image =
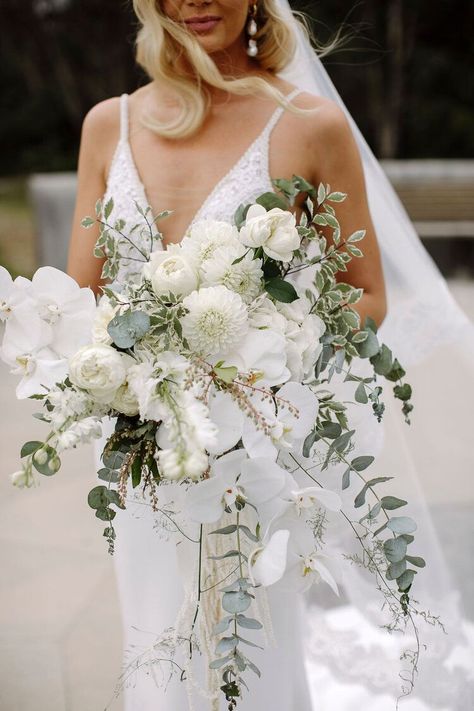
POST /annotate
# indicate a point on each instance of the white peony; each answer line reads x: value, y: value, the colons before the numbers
x: 171, y: 270
x: 103, y: 316
x: 99, y: 369
x: 245, y: 277
x: 206, y: 236
x: 275, y: 231
x: 216, y: 320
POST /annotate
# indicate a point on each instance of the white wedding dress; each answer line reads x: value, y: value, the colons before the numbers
x: 150, y: 568
x: 328, y: 655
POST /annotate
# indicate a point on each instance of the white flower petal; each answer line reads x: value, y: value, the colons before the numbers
x: 267, y: 564
x: 262, y: 479
x: 229, y: 418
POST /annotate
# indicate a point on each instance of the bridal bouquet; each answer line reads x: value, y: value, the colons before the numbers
x: 217, y: 365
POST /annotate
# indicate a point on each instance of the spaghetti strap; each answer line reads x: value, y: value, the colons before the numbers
x: 278, y: 112
x: 124, y: 117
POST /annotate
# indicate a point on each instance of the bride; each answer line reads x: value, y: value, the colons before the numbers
x: 232, y: 103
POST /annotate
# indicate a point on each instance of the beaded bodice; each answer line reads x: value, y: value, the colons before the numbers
x: 248, y: 178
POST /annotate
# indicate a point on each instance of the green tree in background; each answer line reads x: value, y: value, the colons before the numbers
x: 405, y: 73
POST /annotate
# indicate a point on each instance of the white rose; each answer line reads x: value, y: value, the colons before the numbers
x: 99, y: 369
x: 275, y: 231
x: 171, y: 270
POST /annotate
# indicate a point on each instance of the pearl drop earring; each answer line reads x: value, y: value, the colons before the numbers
x: 252, y: 49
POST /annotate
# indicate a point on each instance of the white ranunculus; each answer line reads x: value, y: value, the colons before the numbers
x: 103, y: 316
x: 171, y: 270
x: 275, y: 231
x: 245, y: 277
x: 99, y: 369
x: 206, y: 236
x: 216, y: 320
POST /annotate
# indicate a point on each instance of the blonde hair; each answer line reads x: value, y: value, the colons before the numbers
x: 162, y: 43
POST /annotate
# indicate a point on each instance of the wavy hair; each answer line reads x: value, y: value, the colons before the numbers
x: 163, y: 44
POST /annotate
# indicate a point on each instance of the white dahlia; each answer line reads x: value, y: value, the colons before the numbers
x: 205, y: 236
x: 245, y: 277
x: 216, y: 319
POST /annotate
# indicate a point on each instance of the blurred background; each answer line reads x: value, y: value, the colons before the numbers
x: 405, y: 71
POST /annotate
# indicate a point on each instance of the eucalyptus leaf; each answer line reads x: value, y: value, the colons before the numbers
x: 402, y: 524
x: 29, y: 448
x: 361, y: 394
x: 226, y: 644
x: 218, y: 663
x: 416, y: 560
x: 127, y: 328
x: 361, y: 463
x: 392, y: 502
x: 248, y: 622
x: 395, y: 570
x: 227, y: 529
x: 222, y: 625
x: 406, y: 579
x: 236, y: 601
x: 395, y: 549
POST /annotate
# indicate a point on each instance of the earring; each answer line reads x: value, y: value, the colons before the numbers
x: 252, y: 49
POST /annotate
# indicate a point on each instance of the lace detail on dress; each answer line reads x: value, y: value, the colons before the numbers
x: 248, y: 178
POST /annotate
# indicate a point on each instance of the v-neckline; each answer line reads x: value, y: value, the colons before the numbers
x: 218, y: 184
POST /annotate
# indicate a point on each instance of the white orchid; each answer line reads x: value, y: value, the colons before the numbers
x: 291, y: 422
x: 234, y: 477
x: 267, y: 562
x: 25, y: 349
x: 261, y: 352
x: 68, y: 308
x: 10, y: 294
x: 312, y: 496
x: 305, y: 565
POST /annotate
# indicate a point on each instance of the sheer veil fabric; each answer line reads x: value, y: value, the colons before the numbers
x: 350, y: 660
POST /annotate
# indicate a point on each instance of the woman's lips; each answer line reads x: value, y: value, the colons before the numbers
x: 202, y: 24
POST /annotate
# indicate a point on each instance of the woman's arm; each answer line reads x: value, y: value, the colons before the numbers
x: 100, y: 131
x: 338, y: 163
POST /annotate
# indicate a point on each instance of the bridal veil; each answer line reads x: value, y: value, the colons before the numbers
x: 351, y: 660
